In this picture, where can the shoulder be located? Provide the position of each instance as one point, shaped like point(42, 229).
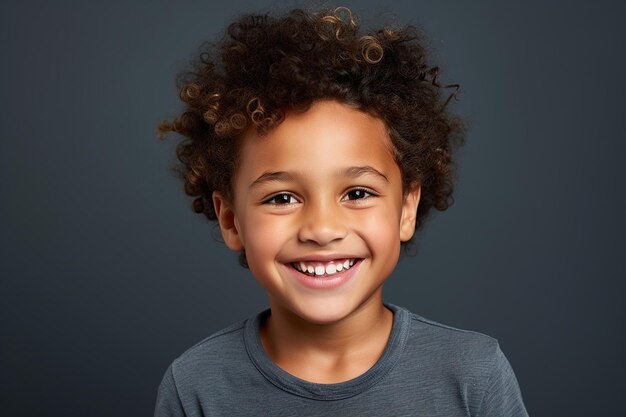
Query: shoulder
point(220, 349)
point(457, 356)
point(430, 334)
point(197, 368)
point(468, 360)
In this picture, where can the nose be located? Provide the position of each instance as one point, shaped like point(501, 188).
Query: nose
point(322, 223)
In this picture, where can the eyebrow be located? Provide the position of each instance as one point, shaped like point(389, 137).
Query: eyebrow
point(355, 172)
point(276, 176)
point(284, 176)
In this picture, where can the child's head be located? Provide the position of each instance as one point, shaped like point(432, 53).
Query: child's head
point(268, 70)
point(319, 208)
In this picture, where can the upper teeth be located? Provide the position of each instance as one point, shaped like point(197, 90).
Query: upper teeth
point(319, 269)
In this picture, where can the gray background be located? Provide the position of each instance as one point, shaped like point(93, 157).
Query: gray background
point(107, 275)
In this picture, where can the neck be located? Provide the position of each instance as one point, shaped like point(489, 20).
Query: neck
point(327, 352)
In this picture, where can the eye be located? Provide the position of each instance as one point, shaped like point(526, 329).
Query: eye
point(358, 194)
point(281, 199)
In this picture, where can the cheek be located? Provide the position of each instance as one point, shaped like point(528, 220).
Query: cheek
point(382, 231)
point(263, 238)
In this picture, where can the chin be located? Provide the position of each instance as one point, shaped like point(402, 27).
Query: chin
point(323, 312)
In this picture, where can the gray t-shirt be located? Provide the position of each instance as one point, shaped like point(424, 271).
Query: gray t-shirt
point(427, 369)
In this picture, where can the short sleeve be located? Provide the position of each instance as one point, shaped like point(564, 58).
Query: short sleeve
point(168, 402)
point(502, 396)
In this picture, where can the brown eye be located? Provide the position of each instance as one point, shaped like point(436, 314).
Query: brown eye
point(358, 194)
point(282, 199)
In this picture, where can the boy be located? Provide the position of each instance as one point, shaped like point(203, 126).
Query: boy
point(320, 151)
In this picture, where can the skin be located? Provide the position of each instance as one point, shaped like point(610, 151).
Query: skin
point(313, 209)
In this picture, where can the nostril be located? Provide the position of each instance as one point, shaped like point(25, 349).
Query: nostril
point(322, 231)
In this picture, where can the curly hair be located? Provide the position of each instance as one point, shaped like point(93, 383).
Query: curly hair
point(267, 65)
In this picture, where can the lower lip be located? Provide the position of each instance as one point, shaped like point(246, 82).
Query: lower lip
point(325, 282)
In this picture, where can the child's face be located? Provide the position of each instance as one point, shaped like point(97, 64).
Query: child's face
point(320, 189)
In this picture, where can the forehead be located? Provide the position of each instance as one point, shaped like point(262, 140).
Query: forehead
point(329, 137)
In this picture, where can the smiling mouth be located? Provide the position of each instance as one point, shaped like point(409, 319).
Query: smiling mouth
point(324, 269)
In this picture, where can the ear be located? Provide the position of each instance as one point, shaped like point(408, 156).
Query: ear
point(409, 213)
point(228, 222)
